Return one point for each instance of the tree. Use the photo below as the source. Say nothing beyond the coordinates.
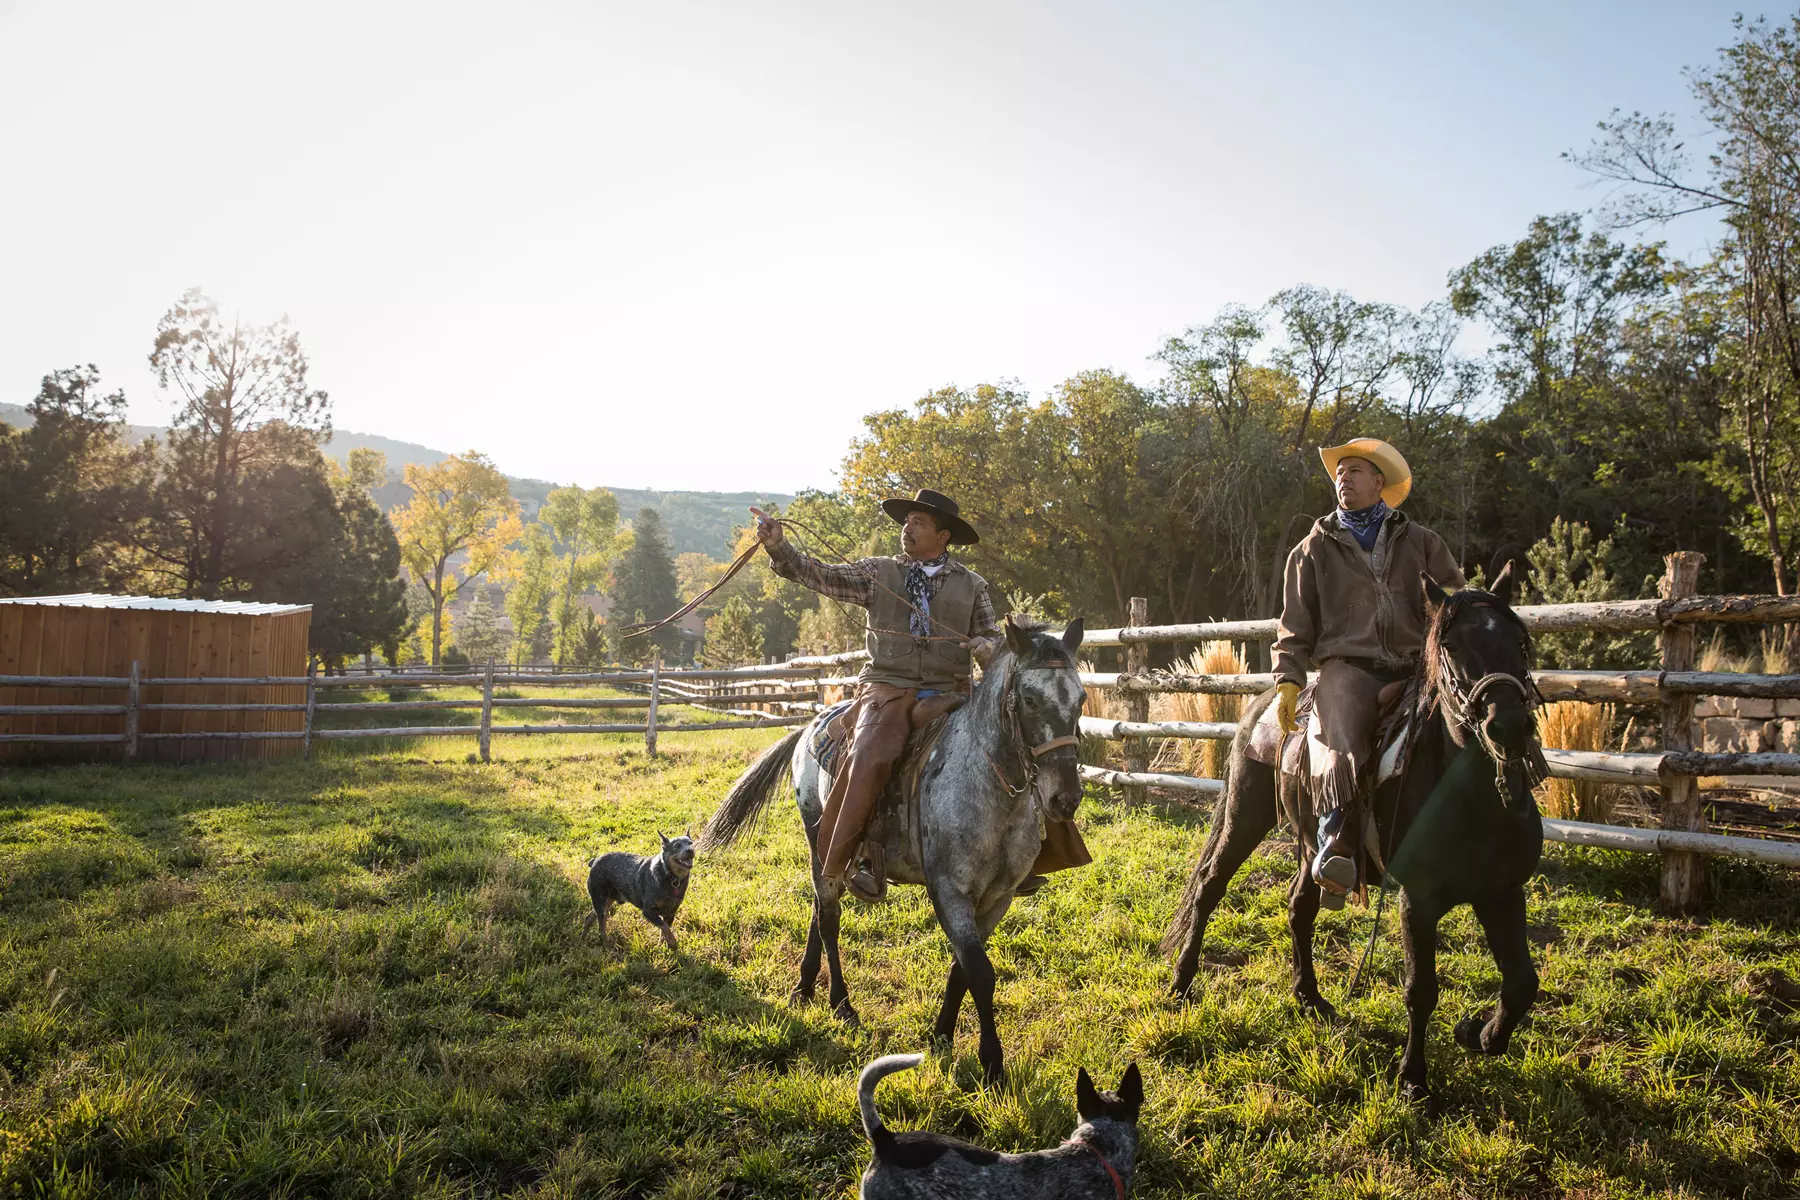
(478, 630)
(585, 524)
(358, 594)
(1751, 99)
(733, 638)
(460, 507)
(645, 587)
(529, 570)
(1569, 567)
(243, 405)
(75, 493)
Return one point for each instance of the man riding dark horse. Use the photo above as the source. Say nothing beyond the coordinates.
(1351, 607)
(928, 617)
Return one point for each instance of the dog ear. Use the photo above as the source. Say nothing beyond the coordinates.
(665, 841)
(1131, 1088)
(1435, 596)
(1504, 584)
(1071, 638)
(1087, 1097)
(1017, 638)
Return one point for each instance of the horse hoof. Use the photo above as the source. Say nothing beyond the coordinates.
(1416, 1093)
(1317, 1006)
(800, 997)
(843, 1012)
(1468, 1034)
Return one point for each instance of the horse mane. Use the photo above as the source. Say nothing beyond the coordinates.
(1454, 607)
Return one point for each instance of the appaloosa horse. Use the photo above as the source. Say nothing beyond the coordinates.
(1003, 757)
(1457, 825)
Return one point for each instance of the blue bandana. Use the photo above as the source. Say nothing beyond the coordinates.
(1364, 524)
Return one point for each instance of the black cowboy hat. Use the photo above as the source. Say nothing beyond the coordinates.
(942, 508)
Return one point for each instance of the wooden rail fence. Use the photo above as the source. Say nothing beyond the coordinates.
(794, 691)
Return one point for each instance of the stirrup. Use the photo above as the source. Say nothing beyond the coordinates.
(1334, 873)
(866, 886)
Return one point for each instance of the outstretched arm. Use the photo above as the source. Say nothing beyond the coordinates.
(851, 583)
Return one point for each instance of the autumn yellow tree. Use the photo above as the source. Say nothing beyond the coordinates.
(460, 506)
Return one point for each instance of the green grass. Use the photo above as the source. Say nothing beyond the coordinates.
(366, 976)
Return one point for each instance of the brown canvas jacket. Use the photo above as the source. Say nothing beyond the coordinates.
(1339, 602)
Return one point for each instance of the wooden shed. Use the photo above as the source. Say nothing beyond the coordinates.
(95, 636)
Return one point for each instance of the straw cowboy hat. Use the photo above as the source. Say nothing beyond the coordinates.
(941, 507)
(1395, 474)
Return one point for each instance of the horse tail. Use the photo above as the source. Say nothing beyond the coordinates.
(874, 1073)
(750, 795)
(1183, 924)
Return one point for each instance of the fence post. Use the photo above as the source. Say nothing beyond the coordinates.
(486, 736)
(1683, 873)
(312, 704)
(650, 721)
(1137, 704)
(131, 714)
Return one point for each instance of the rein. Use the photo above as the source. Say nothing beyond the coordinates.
(1028, 754)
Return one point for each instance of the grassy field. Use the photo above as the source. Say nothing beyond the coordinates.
(366, 976)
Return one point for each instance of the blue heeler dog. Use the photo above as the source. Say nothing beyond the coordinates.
(1095, 1162)
(655, 886)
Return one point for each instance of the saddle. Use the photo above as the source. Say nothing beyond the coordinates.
(1291, 753)
(891, 835)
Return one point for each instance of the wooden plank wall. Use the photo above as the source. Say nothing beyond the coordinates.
(41, 639)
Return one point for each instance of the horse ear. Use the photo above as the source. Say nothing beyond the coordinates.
(1087, 1097)
(1504, 584)
(1131, 1087)
(1071, 638)
(1435, 596)
(1017, 638)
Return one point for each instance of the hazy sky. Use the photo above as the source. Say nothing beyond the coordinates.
(689, 245)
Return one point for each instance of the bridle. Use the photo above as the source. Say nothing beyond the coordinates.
(1462, 705)
(1026, 756)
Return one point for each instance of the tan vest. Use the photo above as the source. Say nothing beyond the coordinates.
(901, 660)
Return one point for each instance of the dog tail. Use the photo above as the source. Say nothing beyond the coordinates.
(744, 803)
(873, 1074)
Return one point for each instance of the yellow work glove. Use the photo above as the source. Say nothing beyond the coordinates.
(1287, 707)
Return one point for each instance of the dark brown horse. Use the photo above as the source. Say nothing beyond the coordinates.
(1459, 821)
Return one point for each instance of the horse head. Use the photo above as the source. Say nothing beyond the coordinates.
(1047, 698)
(1478, 666)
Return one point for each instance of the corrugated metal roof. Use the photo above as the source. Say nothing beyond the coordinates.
(97, 600)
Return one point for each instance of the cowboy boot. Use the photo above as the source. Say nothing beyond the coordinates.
(1031, 885)
(869, 881)
(1334, 868)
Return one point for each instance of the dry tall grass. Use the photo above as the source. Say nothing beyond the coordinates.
(1574, 725)
(1202, 756)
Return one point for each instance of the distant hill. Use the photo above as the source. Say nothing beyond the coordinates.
(702, 521)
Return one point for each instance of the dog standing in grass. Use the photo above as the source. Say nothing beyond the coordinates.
(1095, 1163)
(654, 885)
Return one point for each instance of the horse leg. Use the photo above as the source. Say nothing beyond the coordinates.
(968, 942)
(956, 986)
(1502, 919)
(1242, 820)
(809, 963)
(1418, 935)
(826, 913)
(1303, 912)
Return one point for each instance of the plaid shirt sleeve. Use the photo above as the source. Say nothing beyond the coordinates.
(850, 583)
(981, 618)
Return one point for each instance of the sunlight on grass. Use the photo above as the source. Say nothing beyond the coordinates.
(366, 976)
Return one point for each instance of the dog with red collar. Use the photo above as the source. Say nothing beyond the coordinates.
(1095, 1163)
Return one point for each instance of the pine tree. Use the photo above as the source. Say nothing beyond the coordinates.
(1569, 567)
(478, 632)
(733, 638)
(646, 584)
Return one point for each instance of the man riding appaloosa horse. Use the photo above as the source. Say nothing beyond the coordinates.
(1351, 607)
(928, 617)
